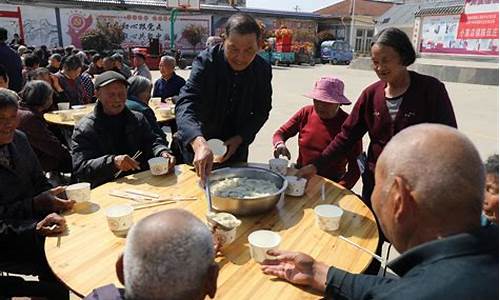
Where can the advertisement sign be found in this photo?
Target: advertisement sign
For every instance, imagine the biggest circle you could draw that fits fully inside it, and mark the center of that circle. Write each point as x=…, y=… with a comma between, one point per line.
x=479, y=20
x=475, y=32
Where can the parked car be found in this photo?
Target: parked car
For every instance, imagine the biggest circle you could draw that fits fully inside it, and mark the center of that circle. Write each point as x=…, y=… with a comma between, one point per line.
x=336, y=52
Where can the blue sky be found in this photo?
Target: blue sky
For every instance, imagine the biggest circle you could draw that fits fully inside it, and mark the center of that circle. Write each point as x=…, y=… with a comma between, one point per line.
x=304, y=5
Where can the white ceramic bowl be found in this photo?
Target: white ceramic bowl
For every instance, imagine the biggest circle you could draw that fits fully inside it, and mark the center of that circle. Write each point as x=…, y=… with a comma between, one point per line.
x=260, y=242
x=63, y=105
x=120, y=218
x=296, y=186
x=328, y=216
x=217, y=146
x=279, y=165
x=80, y=192
x=225, y=237
x=158, y=165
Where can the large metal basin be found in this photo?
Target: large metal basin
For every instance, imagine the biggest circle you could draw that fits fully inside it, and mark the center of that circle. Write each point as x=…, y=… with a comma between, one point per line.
x=247, y=206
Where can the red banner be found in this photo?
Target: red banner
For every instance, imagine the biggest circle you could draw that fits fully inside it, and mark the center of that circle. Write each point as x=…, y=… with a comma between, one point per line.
x=478, y=26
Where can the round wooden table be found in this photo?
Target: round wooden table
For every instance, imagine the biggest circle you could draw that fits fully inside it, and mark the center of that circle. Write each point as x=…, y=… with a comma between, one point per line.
x=86, y=256
x=54, y=118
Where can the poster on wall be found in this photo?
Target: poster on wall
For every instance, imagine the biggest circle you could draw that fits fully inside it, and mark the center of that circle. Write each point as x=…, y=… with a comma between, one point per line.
x=138, y=28
x=39, y=26
x=475, y=32
x=10, y=19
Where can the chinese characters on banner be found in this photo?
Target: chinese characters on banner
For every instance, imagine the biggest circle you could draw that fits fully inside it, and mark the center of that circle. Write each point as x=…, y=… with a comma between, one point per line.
x=474, y=32
x=138, y=28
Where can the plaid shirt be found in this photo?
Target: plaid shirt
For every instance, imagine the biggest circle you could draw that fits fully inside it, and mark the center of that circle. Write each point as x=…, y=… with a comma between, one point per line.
x=88, y=88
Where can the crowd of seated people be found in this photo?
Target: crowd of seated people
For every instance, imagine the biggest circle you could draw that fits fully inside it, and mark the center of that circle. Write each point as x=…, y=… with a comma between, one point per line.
x=121, y=134
x=32, y=82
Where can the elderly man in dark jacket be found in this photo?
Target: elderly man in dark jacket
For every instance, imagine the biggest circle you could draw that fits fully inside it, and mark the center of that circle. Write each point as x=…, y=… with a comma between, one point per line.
x=27, y=205
x=428, y=196
x=227, y=96
x=105, y=141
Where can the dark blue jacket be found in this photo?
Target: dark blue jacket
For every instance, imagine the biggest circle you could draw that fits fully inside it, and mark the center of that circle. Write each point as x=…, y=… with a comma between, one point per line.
x=214, y=89
x=13, y=65
x=168, y=88
x=462, y=266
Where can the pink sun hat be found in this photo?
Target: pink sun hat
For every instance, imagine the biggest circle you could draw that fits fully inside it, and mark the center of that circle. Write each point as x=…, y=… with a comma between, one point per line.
x=329, y=89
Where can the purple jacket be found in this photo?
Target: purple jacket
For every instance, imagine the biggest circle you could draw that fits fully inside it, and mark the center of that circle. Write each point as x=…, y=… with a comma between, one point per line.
x=425, y=101
x=108, y=292
x=53, y=156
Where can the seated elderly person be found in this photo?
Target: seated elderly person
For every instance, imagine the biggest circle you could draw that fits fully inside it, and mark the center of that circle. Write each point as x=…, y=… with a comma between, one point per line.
x=490, y=206
x=121, y=66
x=36, y=98
x=54, y=63
x=170, y=84
x=105, y=141
x=139, y=93
x=28, y=204
x=69, y=84
x=428, y=198
x=168, y=255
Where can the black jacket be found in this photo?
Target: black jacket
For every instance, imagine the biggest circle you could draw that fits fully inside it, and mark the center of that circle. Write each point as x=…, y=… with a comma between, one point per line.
x=18, y=186
x=93, y=150
x=462, y=266
x=204, y=101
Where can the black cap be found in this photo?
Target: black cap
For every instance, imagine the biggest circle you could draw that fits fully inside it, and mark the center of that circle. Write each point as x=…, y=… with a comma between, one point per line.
x=109, y=77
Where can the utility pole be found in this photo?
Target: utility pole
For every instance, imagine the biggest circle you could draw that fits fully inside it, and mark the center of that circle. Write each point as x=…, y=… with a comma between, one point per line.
x=351, y=37
x=296, y=8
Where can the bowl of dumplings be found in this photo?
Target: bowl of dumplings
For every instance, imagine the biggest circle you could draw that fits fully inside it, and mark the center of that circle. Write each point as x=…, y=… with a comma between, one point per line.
x=246, y=190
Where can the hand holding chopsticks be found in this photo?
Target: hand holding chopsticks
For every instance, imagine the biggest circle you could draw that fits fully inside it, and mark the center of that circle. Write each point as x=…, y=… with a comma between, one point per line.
x=125, y=163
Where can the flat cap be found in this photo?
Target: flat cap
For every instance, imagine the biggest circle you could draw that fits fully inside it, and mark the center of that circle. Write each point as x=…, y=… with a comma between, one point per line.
x=109, y=77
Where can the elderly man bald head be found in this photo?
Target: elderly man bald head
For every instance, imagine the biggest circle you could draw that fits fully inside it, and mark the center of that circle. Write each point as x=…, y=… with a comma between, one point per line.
x=432, y=173
x=428, y=196
x=168, y=256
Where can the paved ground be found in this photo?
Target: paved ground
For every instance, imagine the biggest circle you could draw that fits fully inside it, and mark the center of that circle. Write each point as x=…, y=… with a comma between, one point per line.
x=476, y=106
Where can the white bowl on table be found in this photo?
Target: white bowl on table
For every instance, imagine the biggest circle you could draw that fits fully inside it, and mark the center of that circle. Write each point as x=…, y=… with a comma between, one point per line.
x=328, y=216
x=260, y=242
x=159, y=165
x=296, y=186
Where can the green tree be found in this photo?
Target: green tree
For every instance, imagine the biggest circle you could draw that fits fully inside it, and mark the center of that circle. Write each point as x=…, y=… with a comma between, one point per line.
x=105, y=37
x=194, y=34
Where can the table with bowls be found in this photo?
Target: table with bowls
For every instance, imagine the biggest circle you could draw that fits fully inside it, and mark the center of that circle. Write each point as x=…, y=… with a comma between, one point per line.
x=69, y=117
x=85, y=256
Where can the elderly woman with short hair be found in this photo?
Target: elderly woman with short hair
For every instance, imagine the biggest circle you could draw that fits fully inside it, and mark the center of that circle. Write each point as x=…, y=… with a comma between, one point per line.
x=401, y=98
x=36, y=98
x=139, y=93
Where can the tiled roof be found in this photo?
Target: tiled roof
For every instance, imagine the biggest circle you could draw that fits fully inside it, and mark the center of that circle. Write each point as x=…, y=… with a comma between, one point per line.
x=439, y=11
x=402, y=15
x=362, y=7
